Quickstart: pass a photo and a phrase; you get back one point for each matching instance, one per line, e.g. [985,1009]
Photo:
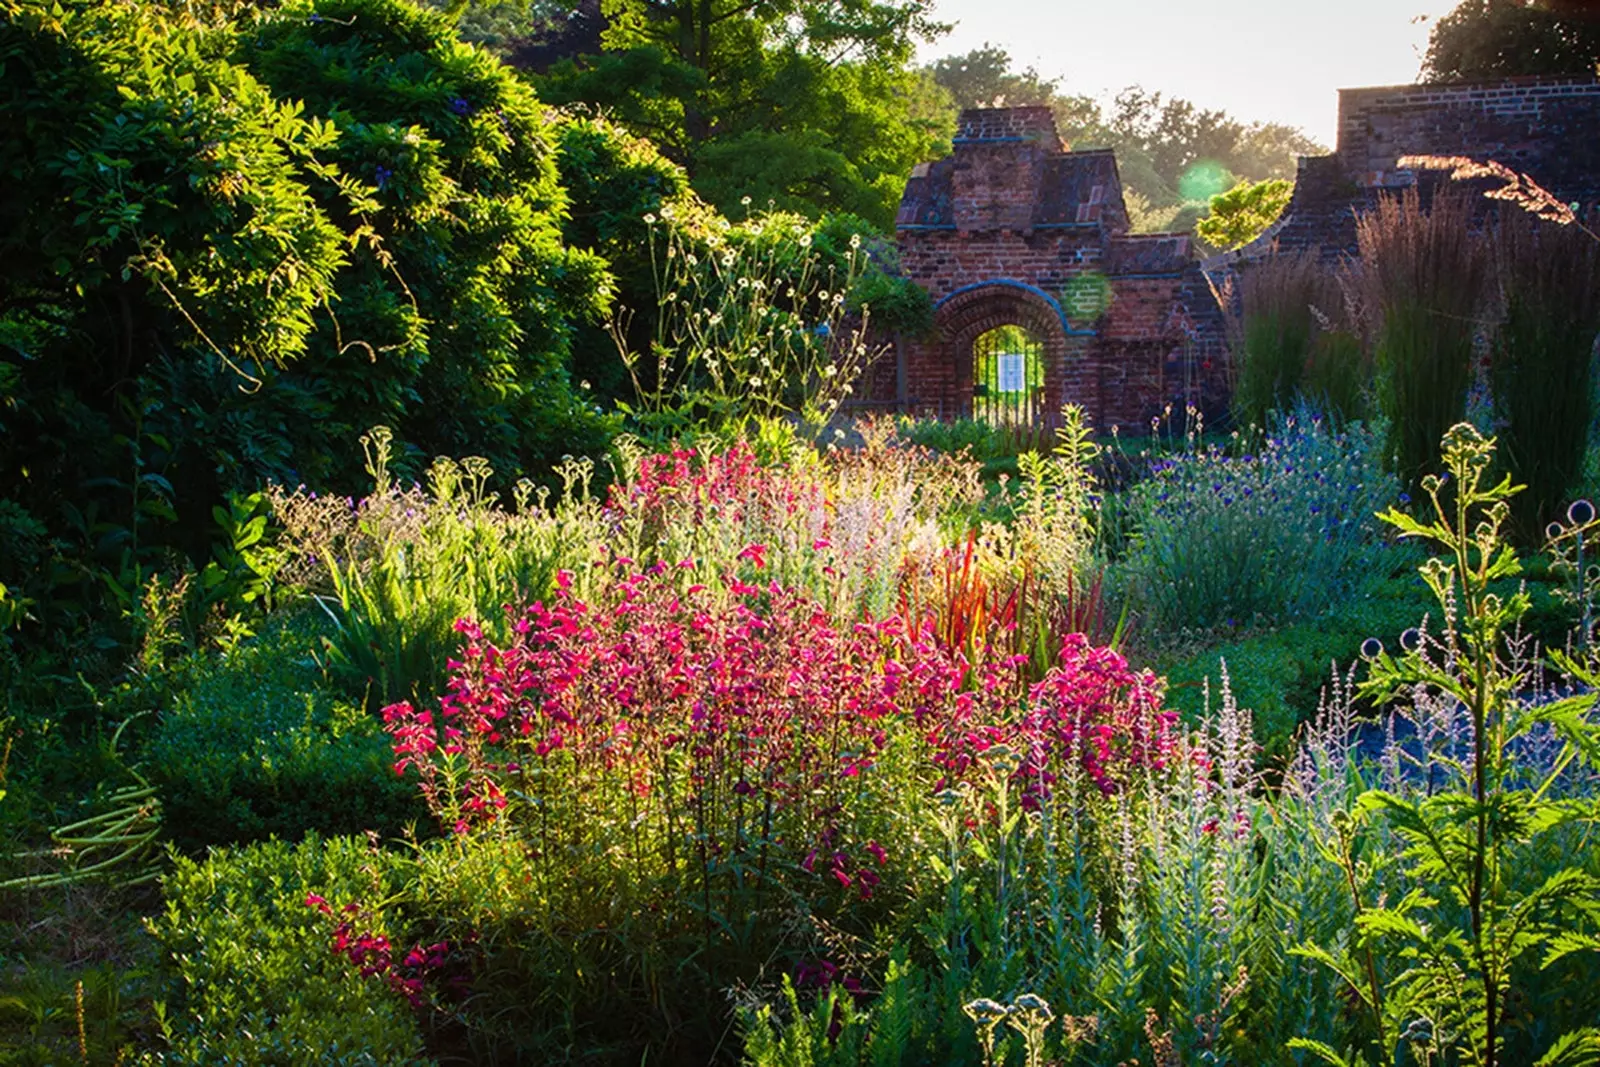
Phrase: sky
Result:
[1258,60]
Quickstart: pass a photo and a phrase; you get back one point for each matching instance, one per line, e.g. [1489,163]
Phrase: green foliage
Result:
[1274,332]
[1291,340]
[252,976]
[97,99]
[1164,144]
[613,180]
[400,567]
[1482,40]
[231,243]
[1123,917]
[257,744]
[1055,514]
[983,78]
[1264,538]
[1239,215]
[158,205]
[751,323]
[805,107]
[1435,968]
[453,317]
[1282,674]
[616,181]
[1338,375]
[981,440]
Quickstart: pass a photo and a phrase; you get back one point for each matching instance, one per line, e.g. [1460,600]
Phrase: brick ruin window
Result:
[1008,366]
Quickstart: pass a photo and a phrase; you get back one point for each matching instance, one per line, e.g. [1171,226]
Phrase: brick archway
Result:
[968,313]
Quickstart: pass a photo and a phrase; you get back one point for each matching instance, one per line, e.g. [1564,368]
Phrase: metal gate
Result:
[1007,377]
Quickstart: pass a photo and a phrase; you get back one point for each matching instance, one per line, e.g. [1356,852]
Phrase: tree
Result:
[984,78]
[1239,215]
[230,247]
[158,213]
[808,104]
[1486,39]
[461,291]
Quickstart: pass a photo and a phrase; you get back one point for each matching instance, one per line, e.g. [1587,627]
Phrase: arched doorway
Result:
[1008,377]
[1007,354]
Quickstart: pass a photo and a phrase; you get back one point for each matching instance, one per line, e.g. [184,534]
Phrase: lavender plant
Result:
[1487,900]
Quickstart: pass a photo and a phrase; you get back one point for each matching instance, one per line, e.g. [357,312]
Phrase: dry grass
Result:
[1515,187]
[1424,277]
[1542,367]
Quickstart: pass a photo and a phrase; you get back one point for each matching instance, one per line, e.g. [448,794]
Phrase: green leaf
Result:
[1327,1053]
[1580,1048]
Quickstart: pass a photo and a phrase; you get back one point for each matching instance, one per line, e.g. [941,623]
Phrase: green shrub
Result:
[1258,539]
[1338,376]
[1274,332]
[986,443]
[1282,674]
[253,980]
[396,569]
[260,745]
[310,219]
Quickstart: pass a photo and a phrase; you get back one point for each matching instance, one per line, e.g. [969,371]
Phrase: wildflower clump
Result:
[1265,536]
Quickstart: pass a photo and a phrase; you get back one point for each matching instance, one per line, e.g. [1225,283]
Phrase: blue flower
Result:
[382,174]
[1405,498]
[460,106]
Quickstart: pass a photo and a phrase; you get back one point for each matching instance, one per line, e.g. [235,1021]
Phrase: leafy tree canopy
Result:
[1485,39]
[1239,215]
[228,247]
[808,105]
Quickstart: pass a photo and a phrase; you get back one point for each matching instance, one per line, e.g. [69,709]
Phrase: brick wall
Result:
[1531,124]
[1013,229]
[1545,127]
[1009,124]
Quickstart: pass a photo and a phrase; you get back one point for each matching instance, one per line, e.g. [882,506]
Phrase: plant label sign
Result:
[1011,372]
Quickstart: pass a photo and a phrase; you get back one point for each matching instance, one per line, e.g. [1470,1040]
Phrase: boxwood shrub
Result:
[250,975]
[262,744]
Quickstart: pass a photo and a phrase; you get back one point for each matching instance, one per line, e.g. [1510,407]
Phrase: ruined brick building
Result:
[1014,230]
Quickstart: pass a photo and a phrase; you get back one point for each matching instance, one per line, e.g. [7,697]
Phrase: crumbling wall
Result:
[1014,229]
